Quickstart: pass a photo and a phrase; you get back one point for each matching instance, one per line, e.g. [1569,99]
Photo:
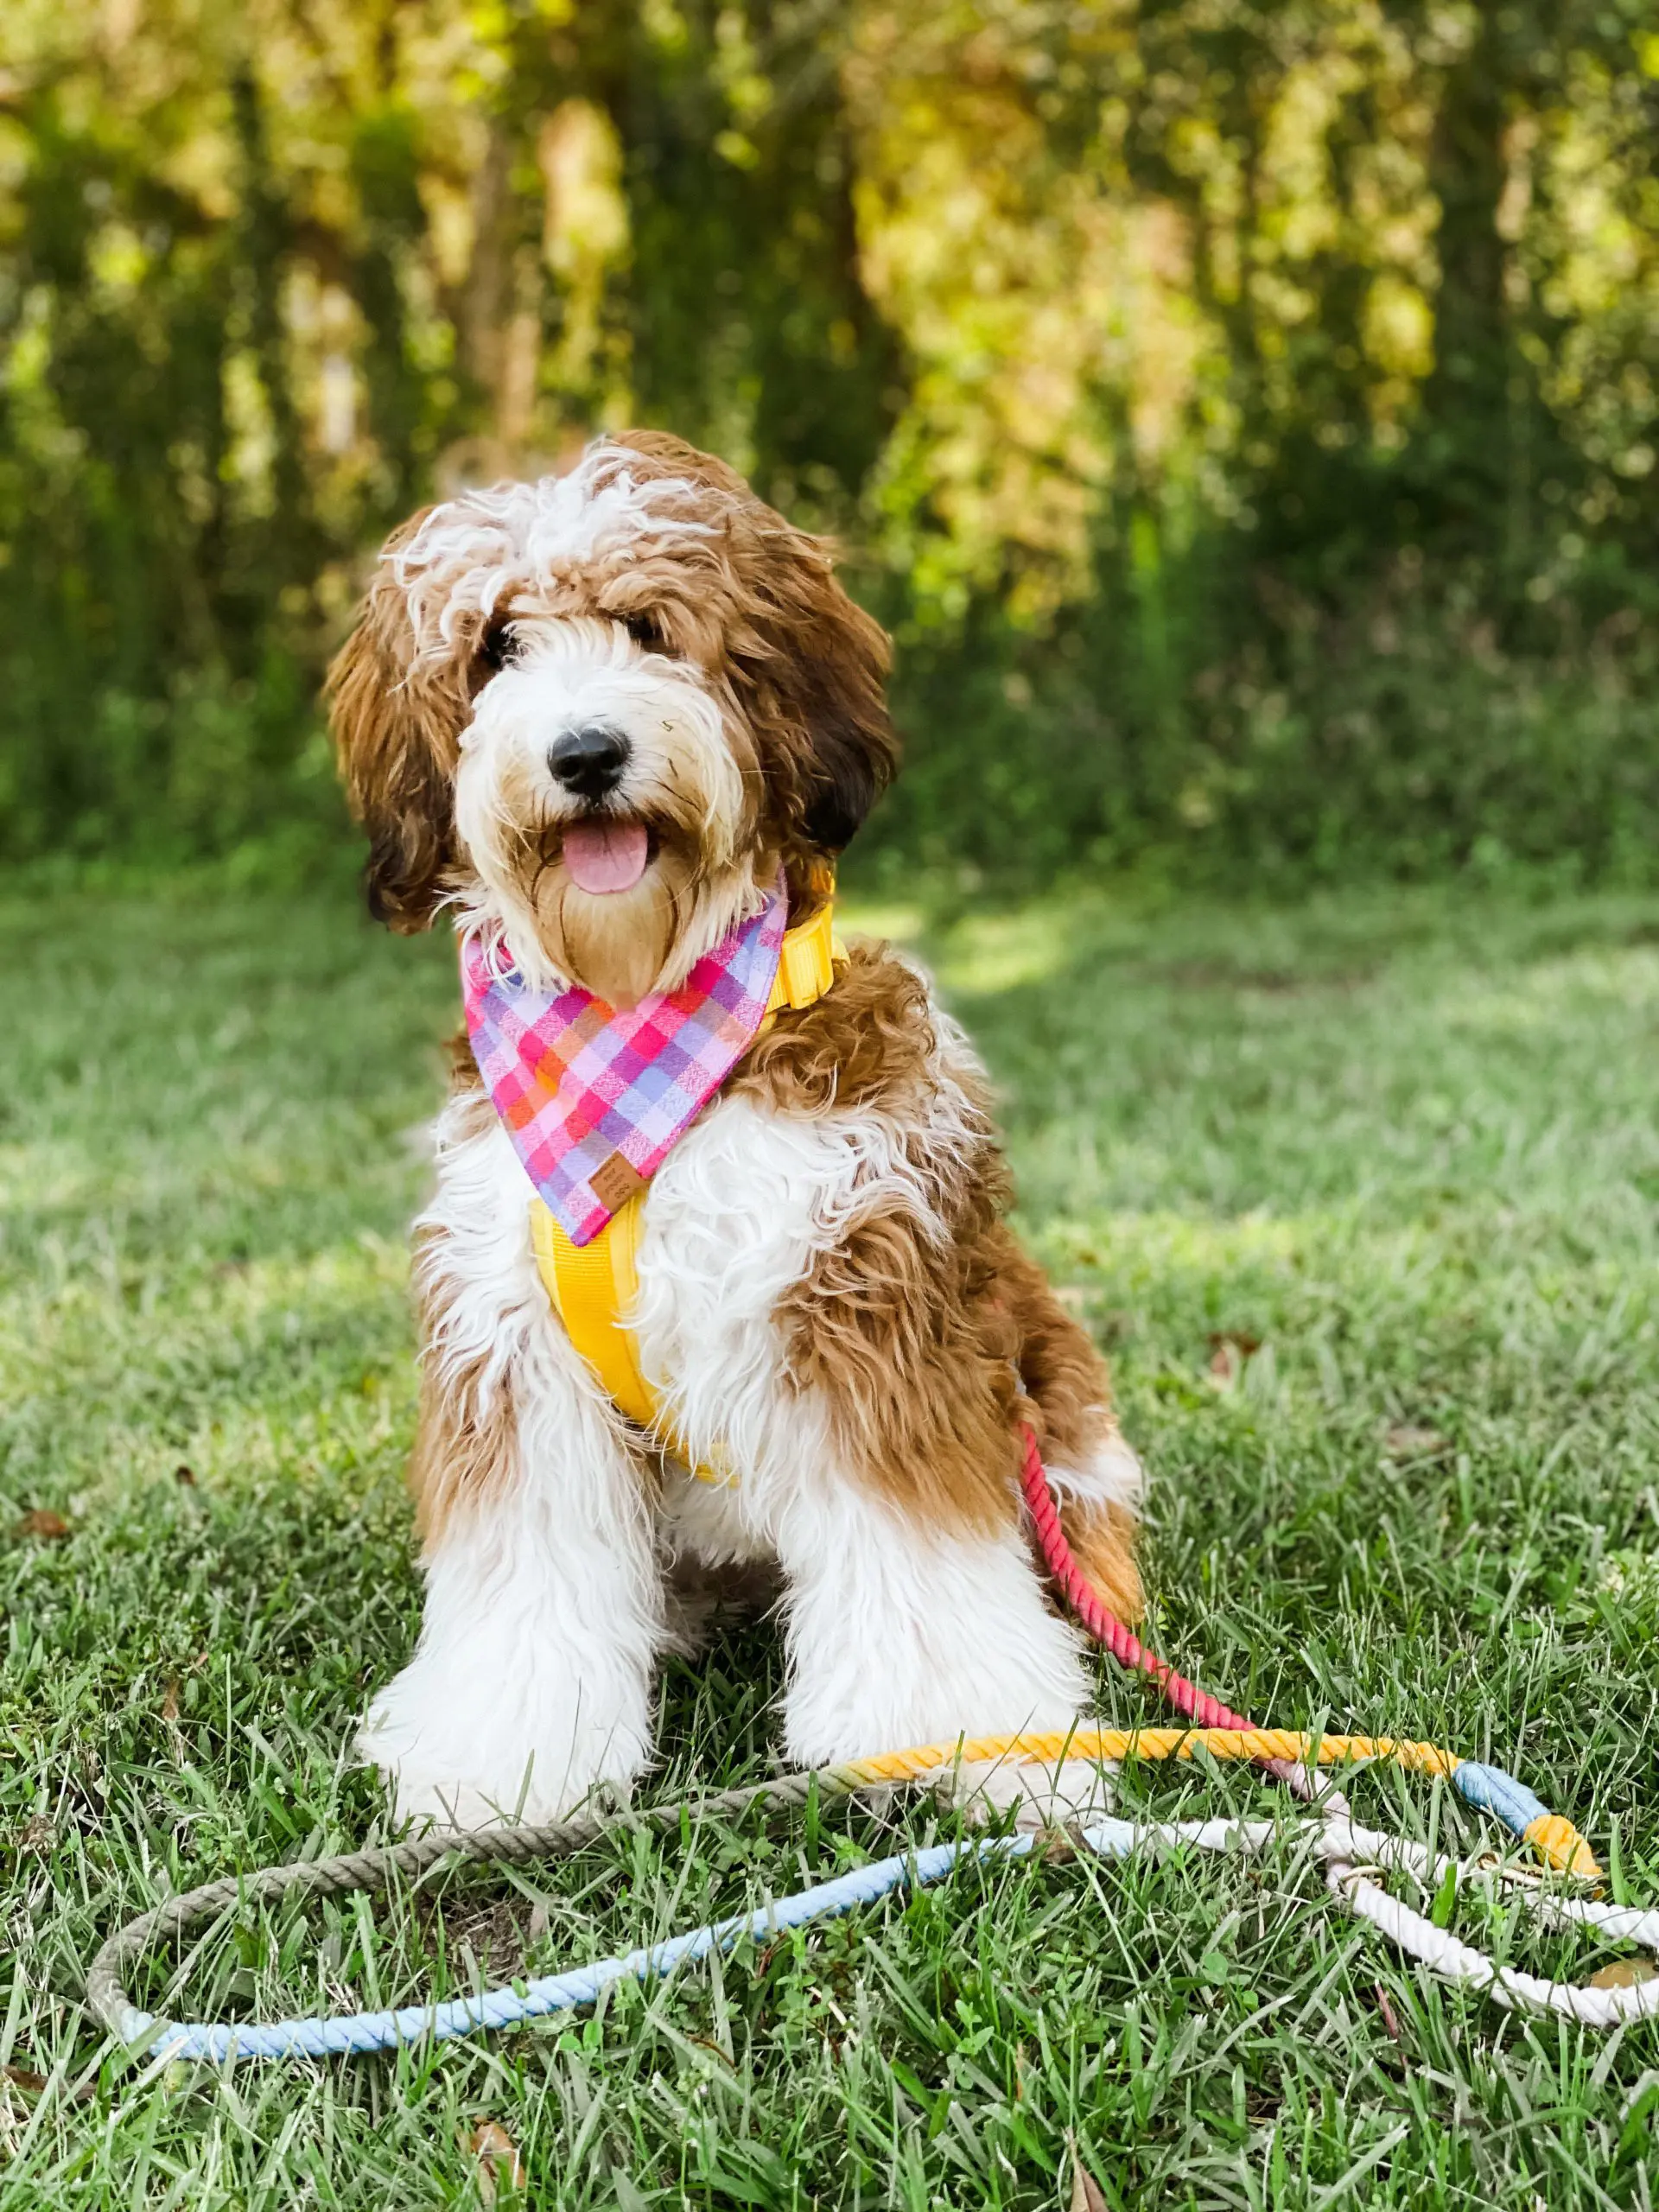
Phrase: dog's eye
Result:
[498,647]
[645,630]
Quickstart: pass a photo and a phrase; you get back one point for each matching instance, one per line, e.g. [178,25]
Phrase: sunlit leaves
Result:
[1027,299]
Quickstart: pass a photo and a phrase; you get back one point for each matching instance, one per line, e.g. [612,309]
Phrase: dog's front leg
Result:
[902,1632]
[531,1680]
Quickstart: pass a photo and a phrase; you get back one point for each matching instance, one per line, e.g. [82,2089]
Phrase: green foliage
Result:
[1426,1504]
[1246,414]
[1204,710]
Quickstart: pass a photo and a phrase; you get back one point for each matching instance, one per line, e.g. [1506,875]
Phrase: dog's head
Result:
[603,710]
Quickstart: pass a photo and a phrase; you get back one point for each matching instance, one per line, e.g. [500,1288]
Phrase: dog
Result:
[602,719]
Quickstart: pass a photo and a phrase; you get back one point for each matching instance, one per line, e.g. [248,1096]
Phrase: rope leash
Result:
[1488,1788]
[1349,1854]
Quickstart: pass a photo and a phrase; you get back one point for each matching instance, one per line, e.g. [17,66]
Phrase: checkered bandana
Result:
[595,1100]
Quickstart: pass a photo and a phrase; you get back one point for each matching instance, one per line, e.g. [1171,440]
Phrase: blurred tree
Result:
[749,326]
[1207,388]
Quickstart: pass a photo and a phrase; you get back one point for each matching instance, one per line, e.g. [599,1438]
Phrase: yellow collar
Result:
[806,962]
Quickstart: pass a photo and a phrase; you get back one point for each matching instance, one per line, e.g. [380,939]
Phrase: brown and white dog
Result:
[642,661]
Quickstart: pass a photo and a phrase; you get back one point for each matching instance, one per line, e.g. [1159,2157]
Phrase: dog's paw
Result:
[423,1801]
[1067,1794]
[425,1795]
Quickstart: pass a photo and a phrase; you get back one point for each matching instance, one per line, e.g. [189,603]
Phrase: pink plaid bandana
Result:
[595,1100]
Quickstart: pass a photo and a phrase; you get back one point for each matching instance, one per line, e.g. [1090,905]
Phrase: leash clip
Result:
[1503,1866]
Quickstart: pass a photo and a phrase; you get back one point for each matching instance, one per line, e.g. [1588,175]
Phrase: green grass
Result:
[1405,1141]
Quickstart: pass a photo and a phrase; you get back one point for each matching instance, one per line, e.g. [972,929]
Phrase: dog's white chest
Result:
[734,1218]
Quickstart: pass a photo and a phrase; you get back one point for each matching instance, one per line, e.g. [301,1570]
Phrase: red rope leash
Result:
[1085,1601]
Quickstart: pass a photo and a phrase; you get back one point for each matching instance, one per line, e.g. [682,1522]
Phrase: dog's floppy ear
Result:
[396,725]
[814,667]
[852,751]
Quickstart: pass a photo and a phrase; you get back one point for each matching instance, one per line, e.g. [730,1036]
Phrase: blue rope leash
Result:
[560,1993]
[320,2037]
[1493,1791]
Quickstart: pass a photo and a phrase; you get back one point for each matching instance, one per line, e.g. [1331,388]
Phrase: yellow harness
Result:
[594,1285]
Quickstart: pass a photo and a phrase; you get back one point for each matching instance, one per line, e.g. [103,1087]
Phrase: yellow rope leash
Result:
[1555,1838]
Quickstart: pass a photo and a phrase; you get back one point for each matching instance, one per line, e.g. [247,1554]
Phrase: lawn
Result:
[1359,1195]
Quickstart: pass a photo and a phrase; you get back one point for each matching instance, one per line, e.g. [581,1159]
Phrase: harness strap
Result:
[593,1286]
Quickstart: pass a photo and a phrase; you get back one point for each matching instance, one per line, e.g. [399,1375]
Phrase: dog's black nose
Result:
[590,761]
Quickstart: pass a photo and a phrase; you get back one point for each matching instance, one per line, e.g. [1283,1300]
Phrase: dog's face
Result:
[604,710]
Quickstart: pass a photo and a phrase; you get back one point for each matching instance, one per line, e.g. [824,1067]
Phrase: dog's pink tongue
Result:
[606,855]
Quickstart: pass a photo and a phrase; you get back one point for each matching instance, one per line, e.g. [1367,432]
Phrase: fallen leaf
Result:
[35,2085]
[186,1475]
[1229,1351]
[1624,1973]
[170,1701]
[498,2163]
[1242,1340]
[1087,2195]
[1403,1440]
[1387,2010]
[37,1834]
[50,1528]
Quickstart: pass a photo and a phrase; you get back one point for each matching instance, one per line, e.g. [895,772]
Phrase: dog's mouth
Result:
[604,854]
